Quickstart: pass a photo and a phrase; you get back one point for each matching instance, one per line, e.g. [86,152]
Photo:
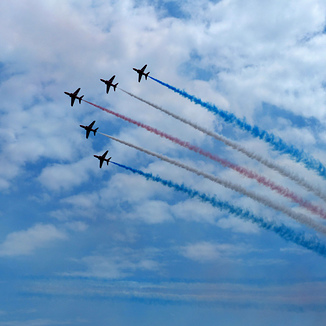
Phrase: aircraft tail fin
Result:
[80,99]
[115,86]
[108,160]
[146,75]
[95,131]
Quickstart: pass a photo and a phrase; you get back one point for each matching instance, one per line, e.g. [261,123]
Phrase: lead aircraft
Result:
[89,129]
[74,96]
[102,158]
[141,72]
[109,84]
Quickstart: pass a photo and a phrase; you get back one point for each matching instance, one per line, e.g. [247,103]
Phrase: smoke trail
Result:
[313,243]
[265,201]
[294,177]
[277,143]
[249,174]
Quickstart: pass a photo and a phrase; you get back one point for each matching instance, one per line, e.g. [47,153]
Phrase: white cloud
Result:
[258,61]
[237,225]
[153,211]
[27,241]
[194,210]
[66,176]
[207,251]
[118,263]
[77,226]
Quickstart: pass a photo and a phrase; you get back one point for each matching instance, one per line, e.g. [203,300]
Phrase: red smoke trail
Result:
[245,172]
[270,164]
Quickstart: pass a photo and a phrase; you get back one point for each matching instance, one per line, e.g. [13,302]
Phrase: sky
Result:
[147,242]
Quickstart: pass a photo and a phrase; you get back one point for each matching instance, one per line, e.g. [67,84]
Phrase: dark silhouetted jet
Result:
[89,129]
[102,158]
[109,83]
[74,96]
[141,72]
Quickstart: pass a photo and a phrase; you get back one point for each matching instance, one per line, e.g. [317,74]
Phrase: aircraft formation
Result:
[276,142]
[109,83]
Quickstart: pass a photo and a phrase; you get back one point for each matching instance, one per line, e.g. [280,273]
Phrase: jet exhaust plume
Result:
[276,142]
[312,243]
[294,177]
[260,199]
[243,171]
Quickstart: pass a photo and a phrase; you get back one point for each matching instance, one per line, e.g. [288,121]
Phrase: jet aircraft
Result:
[74,96]
[102,158]
[89,129]
[109,83]
[141,72]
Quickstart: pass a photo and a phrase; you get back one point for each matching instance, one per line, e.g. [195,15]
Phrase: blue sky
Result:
[81,245]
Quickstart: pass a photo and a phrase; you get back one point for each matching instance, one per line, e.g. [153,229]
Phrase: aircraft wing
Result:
[92,124]
[72,100]
[143,69]
[87,132]
[76,92]
[104,154]
[111,79]
[101,163]
[139,77]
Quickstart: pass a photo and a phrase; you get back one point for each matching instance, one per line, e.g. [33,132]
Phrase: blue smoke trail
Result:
[277,143]
[312,243]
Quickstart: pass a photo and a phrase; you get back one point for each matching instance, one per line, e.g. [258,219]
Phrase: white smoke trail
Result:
[265,201]
[294,177]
